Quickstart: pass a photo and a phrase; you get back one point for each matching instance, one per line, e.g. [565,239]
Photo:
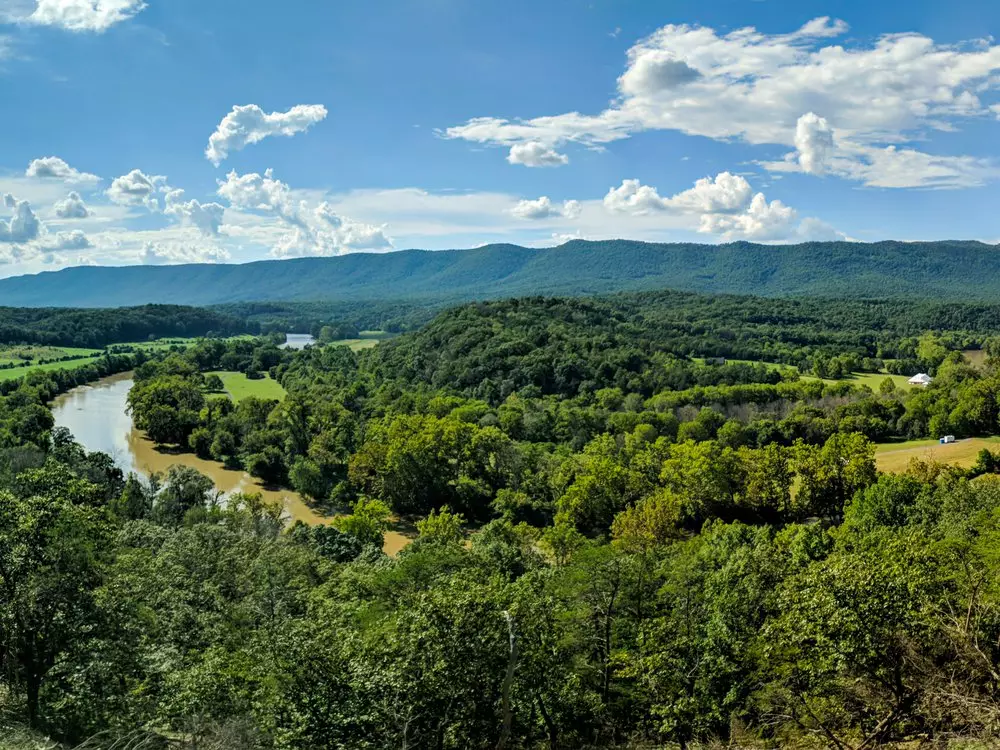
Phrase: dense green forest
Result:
[98,328]
[309,317]
[957,271]
[618,543]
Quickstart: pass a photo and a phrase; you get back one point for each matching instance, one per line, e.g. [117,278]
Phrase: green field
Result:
[19,372]
[872,379]
[365,340]
[355,344]
[895,457]
[975,357]
[239,386]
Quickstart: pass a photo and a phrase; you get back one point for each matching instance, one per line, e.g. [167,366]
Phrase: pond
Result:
[96,416]
[298,340]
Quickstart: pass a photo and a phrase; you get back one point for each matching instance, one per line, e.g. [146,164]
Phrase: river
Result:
[96,416]
[298,340]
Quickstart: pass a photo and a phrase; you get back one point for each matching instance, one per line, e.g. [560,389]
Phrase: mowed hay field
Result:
[894,458]
[70,364]
[239,386]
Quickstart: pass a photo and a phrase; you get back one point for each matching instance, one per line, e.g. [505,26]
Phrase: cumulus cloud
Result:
[535,154]
[24,226]
[84,15]
[171,253]
[814,143]
[725,206]
[71,207]
[722,194]
[137,189]
[249,124]
[205,217]
[760,222]
[764,89]
[256,193]
[320,231]
[73,240]
[54,168]
[543,208]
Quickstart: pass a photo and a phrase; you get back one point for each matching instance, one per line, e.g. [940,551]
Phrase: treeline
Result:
[97,328]
[366,425]
[714,605]
[310,317]
[618,545]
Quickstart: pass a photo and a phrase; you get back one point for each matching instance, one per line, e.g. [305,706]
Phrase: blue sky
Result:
[143,131]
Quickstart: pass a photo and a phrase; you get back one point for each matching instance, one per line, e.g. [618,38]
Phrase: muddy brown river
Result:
[96,416]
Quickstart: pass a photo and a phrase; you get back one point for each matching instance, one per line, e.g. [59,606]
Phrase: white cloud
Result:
[814,143]
[24,226]
[250,124]
[543,208]
[84,15]
[137,189]
[170,253]
[71,207]
[760,222]
[756,88]
[205,217]
[320,231]
[535,154]
[724,206]
[52,167]
[722,194]
[73,240]
[256,193]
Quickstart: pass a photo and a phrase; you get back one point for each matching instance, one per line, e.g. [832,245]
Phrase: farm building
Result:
[921,378]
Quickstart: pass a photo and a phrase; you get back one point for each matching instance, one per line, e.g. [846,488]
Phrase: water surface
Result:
[298,340]
[96,415]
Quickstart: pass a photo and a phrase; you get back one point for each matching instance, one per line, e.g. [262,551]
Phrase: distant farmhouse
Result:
[921,379]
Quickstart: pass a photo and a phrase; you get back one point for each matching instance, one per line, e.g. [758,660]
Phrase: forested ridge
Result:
[947,270]
[100,327]
[618,543]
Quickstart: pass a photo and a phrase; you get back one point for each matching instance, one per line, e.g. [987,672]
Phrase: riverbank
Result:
[96,416]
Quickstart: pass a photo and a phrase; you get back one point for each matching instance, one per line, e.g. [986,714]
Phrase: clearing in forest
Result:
[894,458]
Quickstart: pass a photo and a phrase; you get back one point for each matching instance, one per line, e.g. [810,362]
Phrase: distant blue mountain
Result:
[933,270]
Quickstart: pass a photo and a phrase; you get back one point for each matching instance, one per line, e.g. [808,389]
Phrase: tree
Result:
[367,523]
[442,527]
[50,566]
[183,490]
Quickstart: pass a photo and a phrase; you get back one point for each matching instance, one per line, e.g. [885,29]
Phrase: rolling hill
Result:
[935,270]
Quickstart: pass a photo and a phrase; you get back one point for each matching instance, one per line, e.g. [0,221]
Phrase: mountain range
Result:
[950,270]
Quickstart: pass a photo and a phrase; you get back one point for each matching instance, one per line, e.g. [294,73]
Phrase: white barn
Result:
[921,378]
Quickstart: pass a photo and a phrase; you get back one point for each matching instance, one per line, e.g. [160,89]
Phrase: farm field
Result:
[976,357]
[872,379]
[161,344]
[365,340]
[239,386]
[13,373]
[355,345]
[894,458]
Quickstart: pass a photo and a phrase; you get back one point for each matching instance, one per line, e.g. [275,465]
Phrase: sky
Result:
[179,131]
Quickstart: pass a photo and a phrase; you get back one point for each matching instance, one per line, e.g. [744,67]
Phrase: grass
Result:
[872,379]
[19,372]
[976,357]
[365,340]
[894,458]
[355,344]
[239,386]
